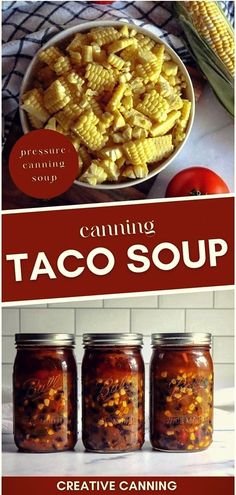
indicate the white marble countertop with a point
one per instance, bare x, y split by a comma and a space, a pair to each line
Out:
210, 144
215, 461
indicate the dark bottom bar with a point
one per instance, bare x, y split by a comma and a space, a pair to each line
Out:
118, 485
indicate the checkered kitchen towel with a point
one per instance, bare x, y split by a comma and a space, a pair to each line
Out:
28, 25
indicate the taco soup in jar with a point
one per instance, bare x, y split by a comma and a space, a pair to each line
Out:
112, 393
181, 392
45, 393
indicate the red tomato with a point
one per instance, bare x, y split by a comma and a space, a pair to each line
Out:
196, 181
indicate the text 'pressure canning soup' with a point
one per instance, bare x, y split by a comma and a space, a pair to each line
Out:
45, 393
181, 388
112, 393
117, 95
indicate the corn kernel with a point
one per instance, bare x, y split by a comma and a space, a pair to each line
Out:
178, 396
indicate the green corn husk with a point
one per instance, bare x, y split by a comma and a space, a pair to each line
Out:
208, 61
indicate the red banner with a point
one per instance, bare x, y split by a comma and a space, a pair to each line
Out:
128, 248
118, 485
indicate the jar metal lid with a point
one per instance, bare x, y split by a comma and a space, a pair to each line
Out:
108, 339
178, 339
44, 339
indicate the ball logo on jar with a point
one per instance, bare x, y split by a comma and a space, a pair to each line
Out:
183, 382
106, 389
35, 387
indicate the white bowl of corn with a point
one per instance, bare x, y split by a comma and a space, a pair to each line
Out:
120, 94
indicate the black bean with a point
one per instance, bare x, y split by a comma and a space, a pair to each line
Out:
110, 409
56, 427
118, 426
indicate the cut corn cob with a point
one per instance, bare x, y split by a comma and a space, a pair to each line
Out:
35, 122
67, 116
110, 168
148, 150
104, 36
117, 97
135, 171
154, 106
119, 45
62, 65
164, 127
76, 42
114, 153
50, 55
150, 70
116, 61
95, 174
145, 41
34, 105
99, 78
85, 128
55, 97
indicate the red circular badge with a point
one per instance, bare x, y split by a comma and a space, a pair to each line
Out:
43, 164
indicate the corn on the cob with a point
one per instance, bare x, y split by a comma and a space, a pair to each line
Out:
210, 39
211, 24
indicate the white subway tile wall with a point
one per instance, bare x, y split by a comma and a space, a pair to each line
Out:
196, 311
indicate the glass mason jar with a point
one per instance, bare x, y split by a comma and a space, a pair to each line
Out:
45, 393
112, 393
181, 392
